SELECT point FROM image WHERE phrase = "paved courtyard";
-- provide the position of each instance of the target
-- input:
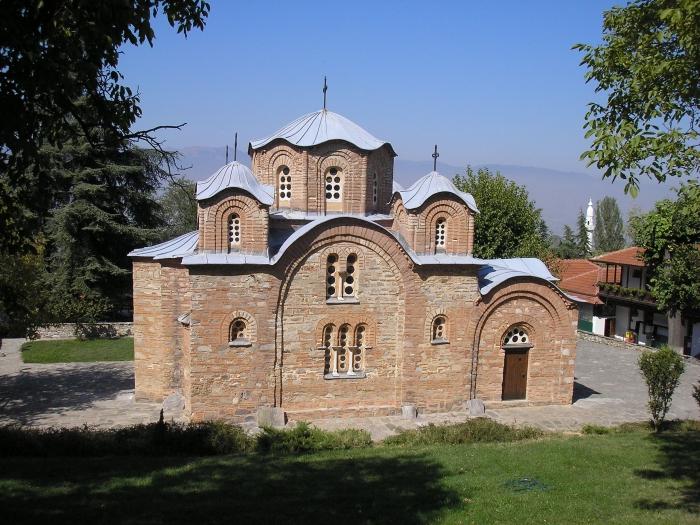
(608, 390)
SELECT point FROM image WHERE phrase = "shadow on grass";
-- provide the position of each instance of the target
(303, 489)
(679, 460)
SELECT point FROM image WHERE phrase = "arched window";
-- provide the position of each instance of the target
(375, 189)
(439, 330)
(344, 351)
(350, 278)
(285, 183)
(329, 353)
(234, 231)
(334, 189)
(358, 355)
(331, 275)
(440, 234)
(516, 337)
(238, 333)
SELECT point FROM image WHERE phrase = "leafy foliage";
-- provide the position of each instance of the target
(662, 370)
(608, 234)
(648, 67)
(58, 64)
(509, 224)
(22, 304)
(305, 438)
(670, 235)
(582, 245)
(179, 207)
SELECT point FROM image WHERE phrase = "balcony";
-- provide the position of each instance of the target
(630, 295)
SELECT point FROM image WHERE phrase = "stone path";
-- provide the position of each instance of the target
(608, 390)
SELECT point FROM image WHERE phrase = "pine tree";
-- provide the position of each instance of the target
(568, 248)
(582, 248)
(608, 234)
(105, 206)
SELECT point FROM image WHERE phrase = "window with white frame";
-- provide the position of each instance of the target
(285, 184)
(238, 333)
(517, 336)
(440, 234)
(334, 187)
(234, 231)
(341, 283)
(439, 330)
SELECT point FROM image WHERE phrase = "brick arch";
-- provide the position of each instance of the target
(322, 238)
(553, 334)
(457, 226)
(251, 325)
(283, 156)
(213, 228)
(430, 317)
(354, 321)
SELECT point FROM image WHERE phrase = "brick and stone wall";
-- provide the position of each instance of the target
(213, 223)
(72, 330)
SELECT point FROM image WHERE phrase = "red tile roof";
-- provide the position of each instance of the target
(580, 278)
(631, 256)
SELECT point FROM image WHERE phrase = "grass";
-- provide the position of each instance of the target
(76, 350)
(631, 476)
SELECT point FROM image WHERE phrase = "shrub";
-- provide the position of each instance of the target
(479, 430)
(696, 393)
(304, 438)
(595, 429)
(662, 370)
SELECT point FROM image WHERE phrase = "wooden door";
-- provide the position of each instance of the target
(515, 374)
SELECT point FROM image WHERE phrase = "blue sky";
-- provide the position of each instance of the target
(490, 82)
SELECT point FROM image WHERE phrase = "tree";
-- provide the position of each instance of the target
(59, 68)
(179, 207)
(568, 248)
(662, 370)
(105, 207)
(648, 69)
(22, 294)
(582, 245)
(608, 234)
(509, 224)
(670, 235)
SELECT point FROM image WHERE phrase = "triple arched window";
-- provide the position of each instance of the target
(345, 349)
(341, 285)
(234, 232)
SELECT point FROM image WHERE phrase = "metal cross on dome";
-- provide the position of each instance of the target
(325, 88)
(435, 157)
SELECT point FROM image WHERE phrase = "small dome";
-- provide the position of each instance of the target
(429, 185)
(323, 126)
(235, 175)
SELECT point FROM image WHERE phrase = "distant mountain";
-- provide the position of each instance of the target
(560, 194)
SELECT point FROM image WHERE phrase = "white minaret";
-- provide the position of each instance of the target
(590, 223)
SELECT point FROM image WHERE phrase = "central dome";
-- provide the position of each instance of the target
(323, 126)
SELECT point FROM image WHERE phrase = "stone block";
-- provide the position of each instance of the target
(409, 412)
(476, 407)
(271, 417)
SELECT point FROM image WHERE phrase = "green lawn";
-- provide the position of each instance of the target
(615, 478)
(74, 350)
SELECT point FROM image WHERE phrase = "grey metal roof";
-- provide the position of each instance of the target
(178, 247)
(491, 272)
(235, 175)
(322, 126)
(497, 271)
(429, 185)
(395, 186)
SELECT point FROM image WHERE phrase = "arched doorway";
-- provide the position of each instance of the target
(516, 346)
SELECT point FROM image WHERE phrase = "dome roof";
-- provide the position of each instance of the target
(323, 126)
(432, 184)
(235, 175)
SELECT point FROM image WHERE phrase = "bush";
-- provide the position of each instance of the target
(595, 429)
(479, 430)
(662, 370)
(304, 438)
(696, 393)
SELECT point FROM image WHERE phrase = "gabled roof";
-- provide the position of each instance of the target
(322, 126)
(432, 184)
(178, 247)
(631, 256)
(235, 175)
(497, 271)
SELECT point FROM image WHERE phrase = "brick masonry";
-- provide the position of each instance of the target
(282, 360)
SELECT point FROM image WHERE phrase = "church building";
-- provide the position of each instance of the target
(315, 284)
